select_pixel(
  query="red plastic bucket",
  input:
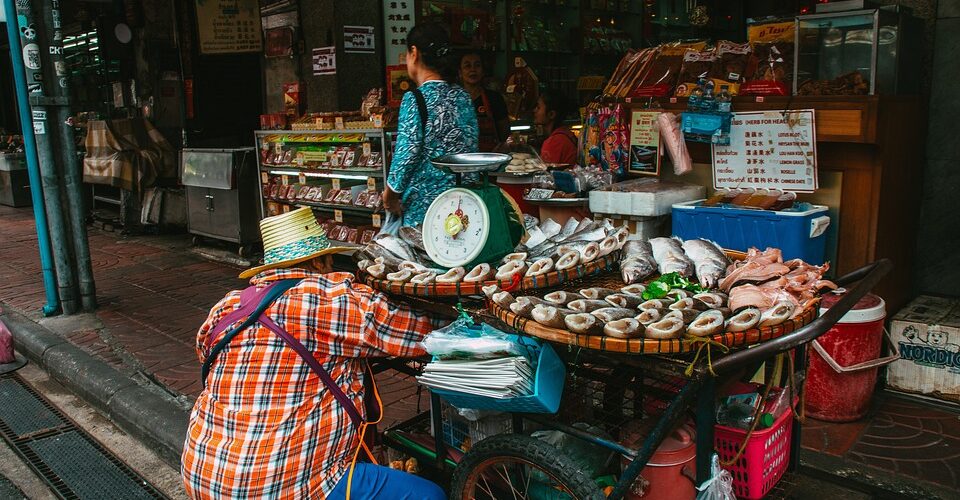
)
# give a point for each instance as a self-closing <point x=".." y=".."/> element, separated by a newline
<point x="670" y="471"/>
<point x="844" y="362"/>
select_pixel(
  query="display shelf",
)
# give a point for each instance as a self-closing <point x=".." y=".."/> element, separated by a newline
<point x="375" y="140"/>
<point x="327" y="173"/>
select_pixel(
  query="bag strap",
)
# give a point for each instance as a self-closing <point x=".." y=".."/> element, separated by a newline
<point x="312" y="362"/>
<point x="267" y="297"/>
<point x="249" y="301"/>
<point x="422" y="109"/>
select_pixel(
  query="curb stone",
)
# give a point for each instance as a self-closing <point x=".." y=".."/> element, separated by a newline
<point x="151" y="416"/>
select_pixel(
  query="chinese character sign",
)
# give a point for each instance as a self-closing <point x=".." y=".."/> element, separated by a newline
<point x="324" y="61"/>
<point x="769" y="149"/>
<point x="398" y="19"/>
<point x="229" y="26"/>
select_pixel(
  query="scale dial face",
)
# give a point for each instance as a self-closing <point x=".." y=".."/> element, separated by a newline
<point x="456" y="227"/>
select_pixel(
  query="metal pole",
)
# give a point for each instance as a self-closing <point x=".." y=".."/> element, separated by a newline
<point x="59" y="84"/>
<point x="33" y="168"/>
<point x="32" y="56"/>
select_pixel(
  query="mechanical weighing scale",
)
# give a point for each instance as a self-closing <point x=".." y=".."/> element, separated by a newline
<point x="471" y="224"/>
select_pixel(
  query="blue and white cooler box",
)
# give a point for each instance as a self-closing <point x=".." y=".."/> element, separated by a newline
<point x="799" y="234"/>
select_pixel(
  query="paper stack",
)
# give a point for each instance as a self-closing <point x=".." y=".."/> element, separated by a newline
<point x="495" y="378"/>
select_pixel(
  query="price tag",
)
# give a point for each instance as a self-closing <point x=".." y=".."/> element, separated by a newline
<point x="338" y="122"/>
<point x="673" y="100"/>
<point x="377" y="120"/>
<point x="366" y="149"/>
<point x="759" y="98"/>
<point x="371" y="184"/>
<point x="284" y="180"/>
<point x="302" y="178"/>
<point x="336" y="184"/>
<point x="264" y="178"/>
<point x="338" y="216"/>
<point x="376" y="220"/>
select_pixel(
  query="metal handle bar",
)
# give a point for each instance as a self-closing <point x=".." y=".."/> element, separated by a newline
<point x="868" y="277"/>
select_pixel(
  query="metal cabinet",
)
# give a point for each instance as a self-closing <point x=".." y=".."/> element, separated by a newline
<point x="222" y="195"/>
<point x="14" y="181"/>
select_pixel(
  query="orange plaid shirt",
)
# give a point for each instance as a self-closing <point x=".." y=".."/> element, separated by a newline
<point x="266" y="426"/>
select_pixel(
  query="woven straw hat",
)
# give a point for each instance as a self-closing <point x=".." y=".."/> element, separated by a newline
<point x="292" y="238"/>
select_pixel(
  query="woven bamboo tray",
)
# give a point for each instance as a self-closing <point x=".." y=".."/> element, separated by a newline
<point x="641" y="345"/>
<point x="550" y="280"/>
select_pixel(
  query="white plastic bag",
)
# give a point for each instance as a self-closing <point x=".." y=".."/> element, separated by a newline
<point x="392" y="225"/>
<point x="464" y="340"/>
<point x="720" y="484"/>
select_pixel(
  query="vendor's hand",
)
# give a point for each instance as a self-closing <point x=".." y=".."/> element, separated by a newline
<point x="391" y="201"/>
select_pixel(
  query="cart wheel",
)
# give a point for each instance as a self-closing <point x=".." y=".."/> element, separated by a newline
<point x="245" y="250"/>
<point x="195" y="241"/>
<point x="518" y="466"/>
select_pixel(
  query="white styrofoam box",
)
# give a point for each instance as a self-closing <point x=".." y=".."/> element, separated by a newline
<point x="641" y="228"/>
<point x="927" y="334"/>
<point x="649" y="199"/>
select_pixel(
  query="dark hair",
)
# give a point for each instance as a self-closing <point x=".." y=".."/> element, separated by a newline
<point x="433" y="42"/>
<point x="555" y="101"/>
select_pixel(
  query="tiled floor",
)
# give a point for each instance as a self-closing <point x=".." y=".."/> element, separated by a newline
<point x="154" y="294"/>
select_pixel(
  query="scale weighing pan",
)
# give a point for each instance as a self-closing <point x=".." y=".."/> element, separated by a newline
<point x="466" y="163"/>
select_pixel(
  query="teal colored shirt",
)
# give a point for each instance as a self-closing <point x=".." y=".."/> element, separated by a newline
<point x="451" y="129"/>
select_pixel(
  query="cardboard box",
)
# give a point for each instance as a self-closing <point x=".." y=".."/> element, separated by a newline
<point x="927" y="334"/>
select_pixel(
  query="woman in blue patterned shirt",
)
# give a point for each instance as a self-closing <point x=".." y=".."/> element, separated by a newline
<point x="449" y="127"/>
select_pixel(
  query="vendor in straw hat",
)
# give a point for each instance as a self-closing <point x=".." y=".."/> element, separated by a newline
<point x="277" y="420"/>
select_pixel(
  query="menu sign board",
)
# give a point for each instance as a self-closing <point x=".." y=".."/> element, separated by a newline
<point x="769" y="149"/>
<point x="228" y="26"/>
<point x="644" y="143"/>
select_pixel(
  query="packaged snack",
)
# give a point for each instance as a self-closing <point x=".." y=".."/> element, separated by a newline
<point x="663" y="75"/>
<point x="348" y="160"/>
<point x="374" y="160"/>
<point x="314" y="193"/>
<point x="345" y="197"/>
<point x="363" y="198"/>
<point x="292" y="192"/>
<point x="731" y="67"/>
<point x="367" y="236"/>
<point x="375" y="202"/>
<point x="696" y="65"/>
<point x="338" y="157"/>
<point x="331" y="196"/>
<point x="302" y="192"/>
<point x="350" y="235"/>
<point x="770" y="67"/>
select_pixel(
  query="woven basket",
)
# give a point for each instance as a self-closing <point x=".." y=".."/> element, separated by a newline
<point x="550" y="280"/>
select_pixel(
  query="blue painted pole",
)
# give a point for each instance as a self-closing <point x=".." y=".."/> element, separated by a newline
<point x="33" y="165"/>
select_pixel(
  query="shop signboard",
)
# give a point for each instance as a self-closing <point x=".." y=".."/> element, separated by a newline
<point x="644" y="143"/>
<point x="769" y="149"/>
<point x="399" y="17"/>
<point x="228" y="26"/>
<point x="324" y="61"/>
<point x="358" y="39"/>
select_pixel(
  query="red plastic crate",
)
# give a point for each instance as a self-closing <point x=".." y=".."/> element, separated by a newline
<point x="764" y="460"/>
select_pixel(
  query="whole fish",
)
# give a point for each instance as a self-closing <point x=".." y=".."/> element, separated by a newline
<point x="568" y="229"/>
<point x="709" y="261"/>
<point x="668" y="252"/>
<point x="593" y="234"/>
<point x="396" y="246"/>
<point x="637" y="262"/>
<point x="551" y="316"/>
<point x="626" y="328"/>
<point x="609" y="314"/>
<point x="550" y="228"/>
<point x="413" y="237"/>
<point x="535" y="238"/>
<point x="584" y="324"/>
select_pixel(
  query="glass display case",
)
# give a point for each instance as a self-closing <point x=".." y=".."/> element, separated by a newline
<point x="856" y="53"/>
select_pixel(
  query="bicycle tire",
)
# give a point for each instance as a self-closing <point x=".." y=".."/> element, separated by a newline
<point x="525" y="448"/>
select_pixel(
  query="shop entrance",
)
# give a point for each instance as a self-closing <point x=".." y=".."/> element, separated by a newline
<point x="228" y="101"/>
